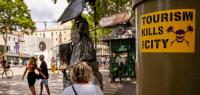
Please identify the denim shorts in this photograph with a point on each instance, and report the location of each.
(44, 81)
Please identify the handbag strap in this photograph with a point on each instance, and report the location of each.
(74, 90)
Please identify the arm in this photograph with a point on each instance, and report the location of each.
(38, 69)
(24, 73)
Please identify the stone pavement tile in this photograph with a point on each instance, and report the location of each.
(13, 86)
(120, 88)
(126, 87)
(16, 86)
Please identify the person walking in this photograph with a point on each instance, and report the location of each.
(64, 69)
(44, 81)
(81, 77)
(53, 65)
(31, 66)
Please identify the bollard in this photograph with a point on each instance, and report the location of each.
(168, 47)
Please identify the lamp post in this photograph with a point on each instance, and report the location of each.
(95, 32)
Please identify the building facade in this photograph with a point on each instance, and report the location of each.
(15, 47)
(56, 35)
(59, 34)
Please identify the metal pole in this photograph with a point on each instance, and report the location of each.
(95, 32)
(168, 47)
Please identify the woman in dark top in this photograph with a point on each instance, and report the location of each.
(31, 66)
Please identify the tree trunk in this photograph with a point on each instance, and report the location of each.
(5, 38)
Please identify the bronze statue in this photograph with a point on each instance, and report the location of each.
(83, 49)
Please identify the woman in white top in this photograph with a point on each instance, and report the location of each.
(80, 77)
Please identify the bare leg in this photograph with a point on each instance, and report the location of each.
(3, 72)
(32, 88)
(41, 88)
(47, 88)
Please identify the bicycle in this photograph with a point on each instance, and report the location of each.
(8, 72)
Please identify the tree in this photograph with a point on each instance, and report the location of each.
(102, 8)
(109, 7)
(100, 32)
(14, 16)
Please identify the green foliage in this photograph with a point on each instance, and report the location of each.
(100, 32)
(104, 8)
(14, 15)
(100, 9)
(109, 7)
(1, 49)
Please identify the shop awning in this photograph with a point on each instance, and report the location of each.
(119, 18)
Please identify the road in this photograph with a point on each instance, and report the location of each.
(16, 86)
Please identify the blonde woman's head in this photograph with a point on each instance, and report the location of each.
(81, 73)
(32, 60)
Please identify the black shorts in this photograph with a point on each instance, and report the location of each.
(31, 78)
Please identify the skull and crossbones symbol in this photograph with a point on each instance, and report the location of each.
(180, 34)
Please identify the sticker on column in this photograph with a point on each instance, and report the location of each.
(168, 31)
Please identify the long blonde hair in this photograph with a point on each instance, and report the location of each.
(32, 61)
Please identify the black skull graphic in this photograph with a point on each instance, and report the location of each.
(180, 34)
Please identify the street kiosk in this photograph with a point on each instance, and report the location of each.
(121, 43)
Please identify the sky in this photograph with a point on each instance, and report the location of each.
(45, 10)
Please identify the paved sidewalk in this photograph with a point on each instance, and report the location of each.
(16, 86)
(126, 87)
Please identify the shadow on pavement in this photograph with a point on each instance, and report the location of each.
(16, 86)
(120, 88)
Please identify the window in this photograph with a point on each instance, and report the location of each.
(8, 48)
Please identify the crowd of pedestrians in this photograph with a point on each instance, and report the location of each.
(80, 78)
(32, 76)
